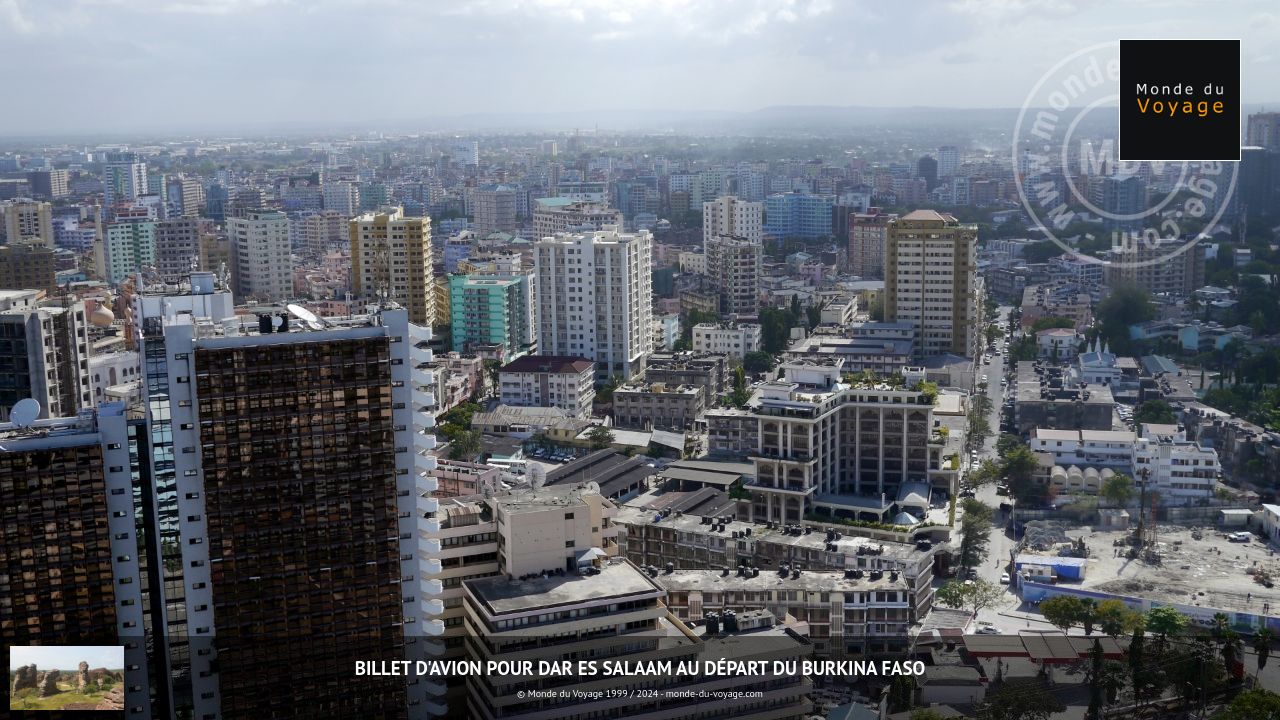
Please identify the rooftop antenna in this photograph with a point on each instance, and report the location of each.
(307, 317)
(24, 413)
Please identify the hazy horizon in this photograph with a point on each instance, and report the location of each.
(147, 66)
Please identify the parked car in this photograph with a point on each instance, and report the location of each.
(1004, 578)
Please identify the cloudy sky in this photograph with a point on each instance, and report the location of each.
(147, 65)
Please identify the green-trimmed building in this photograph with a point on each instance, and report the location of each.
(489, 315)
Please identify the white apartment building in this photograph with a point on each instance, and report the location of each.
(27, 221)
(692, 262)
(732, 340)
(595, 298)
(931, 280)
(342, 197)
(549, 381)
(1177, 467)
(1086, 448)
(261, 263)
(729, 216)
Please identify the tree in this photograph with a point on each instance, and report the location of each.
(1019, 467)
(739, 396)
(1154, 411)
(1262, 646)
(876, 309)
(1165, 622)
(987, 472)
(1050, 322)
(975, 532)
(925, 714)
(465, 445)
(757, 362)
(974, 594)
(1115, 618)
(1127, 304)
(600, 437)
(1063, 611)
(1118, 489)
(605, 393)
(1256, 704)
(1020, 699)
(1097, 694)
(1006, 443)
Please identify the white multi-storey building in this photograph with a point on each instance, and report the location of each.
(1086, 448)
(1176, 467)
(595, 298)
(342, 197)
(730, 216)
(731, 340)
(549, 381)
(261, 263)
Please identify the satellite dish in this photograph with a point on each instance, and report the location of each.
(277, 321)
(307, 317)
(25, 412)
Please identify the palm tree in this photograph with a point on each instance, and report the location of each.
(1232, 649)
(1262, 645)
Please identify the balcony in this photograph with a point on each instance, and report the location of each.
(424, 440)
(419, 333)
(424, 398)
(428, 483)
(427, 504)
(431, 566)
(426, 463)
(421, 355)
(435, 606)
(434, 687)
(423, 376)
(432, 647)
(431, 587)
(433, 628)
(430, 546)
(430, 526)
(424, 420)
(435, 709)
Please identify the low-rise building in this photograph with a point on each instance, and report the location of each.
(726, 339)
(1174, 466)
(660, 406)
(1057, 343)
(707, 371)
(549, 381)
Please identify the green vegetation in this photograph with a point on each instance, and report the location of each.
(776, 324)
(973, 595)
(600, 437)
(975, 532)
(29, 698)
(979, 423)
(739, 396)
(1020, 699)
(1256, 704)
(457, 421)
(464, 445)
(1050, 322)
(1127, 304)
(1118, 489)
(1154, 411)
(757, 362)
(691, 318)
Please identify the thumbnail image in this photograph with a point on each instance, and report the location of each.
(66, 677)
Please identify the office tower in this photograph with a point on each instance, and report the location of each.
(595, 299)
(49, 184)
(734, 265)
(184, 196)
(466, 152)
(28, 267)
(636, 197)
(948, 161)
(1161, 267)
(69, 546)
(931, 280)
(378, 241)
(128, 248)
(927, 168)
(1264, 131)
(124, 178)
(549, 381)
(342, 197)
(262, 268)
(797, 214)
(27, 221)
(292, 480)
(1258, 183)
(557, 215)
(730, 216)
(868, 233)
(1122, 200)
(177, 248)
(216, 200)
(489, 315)
(494, 209)
(45, 355)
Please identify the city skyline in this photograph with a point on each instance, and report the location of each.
(210, 57)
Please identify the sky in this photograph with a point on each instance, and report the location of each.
(146, 65)
(50, 657)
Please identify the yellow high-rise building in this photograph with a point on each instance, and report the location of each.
(391, 259)
(931, 280)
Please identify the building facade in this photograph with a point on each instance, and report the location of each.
(379, 241)
(549, 381)
(262, 266)
(931, 281)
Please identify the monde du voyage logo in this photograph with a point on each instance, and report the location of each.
(1180, 100)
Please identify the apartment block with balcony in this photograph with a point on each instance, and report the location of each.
(727, 339)
(549, 381)
(931, 281)
(659, 406)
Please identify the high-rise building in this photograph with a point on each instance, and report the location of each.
(1258, 183)
(184, 196)
(489, 315)
(557, 215)
(948, 161)
(124, 178)
(342, 197)
(28, 267)
(177, 247)
(466, 152)
(69, 546)
(379, 241)
(320, 231)
(734, 266)
(595, 299)
(797, 214)
(27, 221)
(494, 209)
(931, 280)
(1122, 200)
(729, 216)
(927, 168)
(1264, 131)
(44, 355)
(292, 477)
(49, 184)
(262, 265)
(868, 233)
(127, 248)
(1160, 267)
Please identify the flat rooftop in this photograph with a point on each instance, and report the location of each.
(770, 579)
(617, 580)
(1209, 572)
